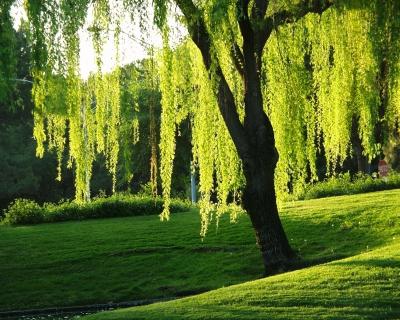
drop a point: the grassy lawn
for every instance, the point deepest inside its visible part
(120, 259)
(123, 259)
(366, 286)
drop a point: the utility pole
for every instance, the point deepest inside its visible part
(193, 185)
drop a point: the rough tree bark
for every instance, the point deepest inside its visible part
(254, 139)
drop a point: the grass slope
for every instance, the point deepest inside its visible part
(366, 286)
(120, 259)
(99, 261)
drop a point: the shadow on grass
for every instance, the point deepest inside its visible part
(338, 237)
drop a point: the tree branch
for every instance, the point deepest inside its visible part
(243, 19)
(298, 11)
(291, 15)
(238, 59)
(22, 80)
(196, 27)
(259, 10)
(226, 102)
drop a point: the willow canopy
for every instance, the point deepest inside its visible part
(260, 81)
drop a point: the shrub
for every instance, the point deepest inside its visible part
(120, 205)
(343, 184)
(23, 211)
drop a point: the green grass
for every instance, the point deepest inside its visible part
(120, 259)
(366, 286)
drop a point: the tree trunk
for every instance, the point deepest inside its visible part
(259, 197)
(259, 157)
(259, 162)
(259, 200)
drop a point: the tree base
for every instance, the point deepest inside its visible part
(293, 262)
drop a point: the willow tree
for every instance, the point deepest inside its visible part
(231, 37)
(260, 81)
(269, 80)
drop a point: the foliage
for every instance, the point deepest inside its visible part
(23, 211)
(345, 184)
(106, 123)
(17, 175)
(135, 258)
(187, 92)
(91, 128)
(318, 74)
(8, 54)
(87, 114)
(25, 176)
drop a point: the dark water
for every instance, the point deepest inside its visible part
(54, 316)
(66, 315)
(70, 313)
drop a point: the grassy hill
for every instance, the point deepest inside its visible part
(366, 286)
(124, 259)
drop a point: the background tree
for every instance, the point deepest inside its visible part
(24, 175)
(7, 50)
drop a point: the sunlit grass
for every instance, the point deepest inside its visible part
(123, 259)
(366, 286)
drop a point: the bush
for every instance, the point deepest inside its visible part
(115, 206)
(345, 184)
(23, 211)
